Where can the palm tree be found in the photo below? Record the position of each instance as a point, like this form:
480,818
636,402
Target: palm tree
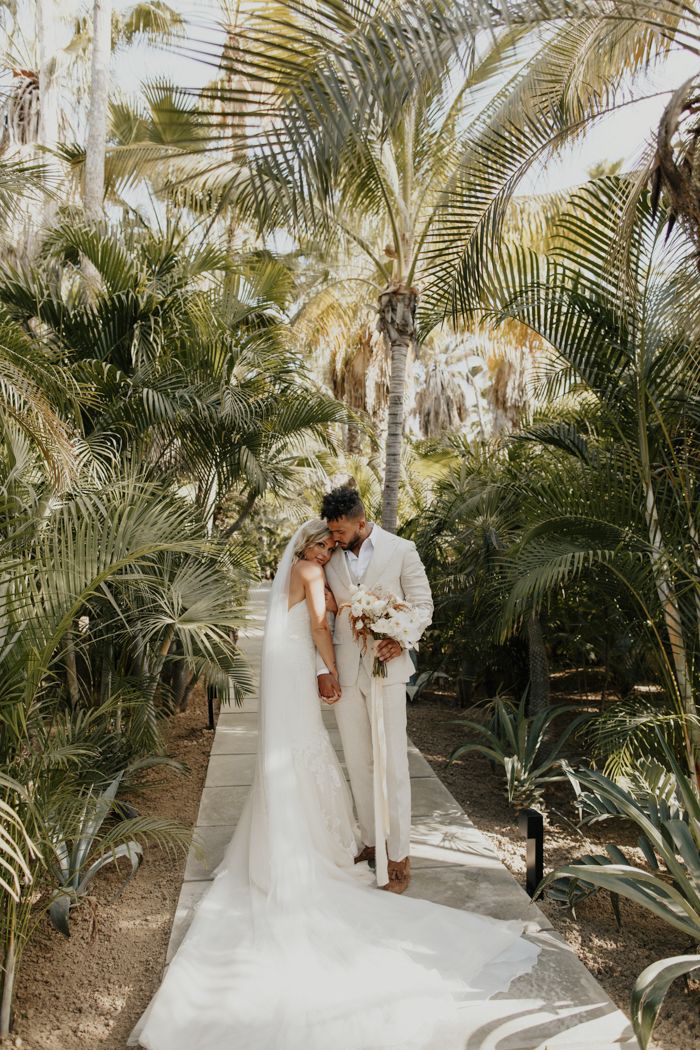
466,533
676,162
150,20
187,352
107,581
626,351
35,113
48,102
97,117
390,130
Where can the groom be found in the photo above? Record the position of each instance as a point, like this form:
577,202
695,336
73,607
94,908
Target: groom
368,555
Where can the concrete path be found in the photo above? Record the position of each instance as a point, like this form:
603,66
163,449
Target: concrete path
559,1006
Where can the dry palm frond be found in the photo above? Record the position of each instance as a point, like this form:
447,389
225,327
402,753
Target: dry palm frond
676,167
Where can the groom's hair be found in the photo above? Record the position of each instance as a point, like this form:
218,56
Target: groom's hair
343,502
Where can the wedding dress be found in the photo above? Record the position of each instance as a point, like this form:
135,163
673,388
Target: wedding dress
293,947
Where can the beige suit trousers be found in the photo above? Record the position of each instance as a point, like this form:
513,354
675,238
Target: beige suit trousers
353,719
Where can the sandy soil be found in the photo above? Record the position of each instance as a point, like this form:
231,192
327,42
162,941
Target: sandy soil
615,957
89,991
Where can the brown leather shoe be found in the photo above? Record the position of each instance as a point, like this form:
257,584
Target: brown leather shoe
399,876
367,853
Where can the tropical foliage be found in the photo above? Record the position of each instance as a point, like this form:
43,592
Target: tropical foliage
151,395
602,507
519,744
667,814
394,136
174,390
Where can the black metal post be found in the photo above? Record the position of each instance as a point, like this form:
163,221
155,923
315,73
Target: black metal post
211,697
531,826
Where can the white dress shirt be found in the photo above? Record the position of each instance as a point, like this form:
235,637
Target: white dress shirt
357,563
357,566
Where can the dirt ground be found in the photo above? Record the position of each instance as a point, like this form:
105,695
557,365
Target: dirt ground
89,991
615,957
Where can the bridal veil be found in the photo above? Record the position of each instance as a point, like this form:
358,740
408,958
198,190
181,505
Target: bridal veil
293,947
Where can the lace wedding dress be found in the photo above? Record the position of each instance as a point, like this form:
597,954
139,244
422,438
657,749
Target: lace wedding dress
293,947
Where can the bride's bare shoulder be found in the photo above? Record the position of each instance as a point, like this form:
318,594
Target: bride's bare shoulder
307,570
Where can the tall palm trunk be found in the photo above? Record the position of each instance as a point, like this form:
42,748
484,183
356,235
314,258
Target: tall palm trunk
397,323
94,185
668,600
538,698
8,984
72,679
48,108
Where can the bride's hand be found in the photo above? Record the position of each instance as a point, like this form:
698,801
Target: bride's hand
329,688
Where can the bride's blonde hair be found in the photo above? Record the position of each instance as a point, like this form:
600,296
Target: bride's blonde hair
311,533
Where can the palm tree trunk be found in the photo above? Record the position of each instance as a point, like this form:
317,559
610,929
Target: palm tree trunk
668,600
106,661
246,510
159,662
94,185
538,698
183,687
210,503
8,987
695,539
48,107
397,323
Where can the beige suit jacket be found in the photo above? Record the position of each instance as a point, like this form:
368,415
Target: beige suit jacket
395,567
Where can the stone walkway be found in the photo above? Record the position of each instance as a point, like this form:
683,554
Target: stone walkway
559,1006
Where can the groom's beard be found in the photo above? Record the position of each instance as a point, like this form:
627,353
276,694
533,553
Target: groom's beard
355,543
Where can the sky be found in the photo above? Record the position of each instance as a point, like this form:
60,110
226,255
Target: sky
623,135
620,137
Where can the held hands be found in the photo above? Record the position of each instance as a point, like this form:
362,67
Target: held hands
329,688
388,649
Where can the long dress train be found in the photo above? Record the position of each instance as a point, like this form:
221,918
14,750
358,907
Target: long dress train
293,947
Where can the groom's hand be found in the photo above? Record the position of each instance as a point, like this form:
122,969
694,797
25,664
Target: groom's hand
388,648
329,688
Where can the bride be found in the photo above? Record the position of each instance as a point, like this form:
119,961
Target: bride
293,947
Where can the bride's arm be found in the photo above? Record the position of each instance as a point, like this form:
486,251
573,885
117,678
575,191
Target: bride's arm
314,590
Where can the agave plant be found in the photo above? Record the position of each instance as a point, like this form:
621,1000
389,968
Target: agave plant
70,829
82,847
67,823
518,742
669,886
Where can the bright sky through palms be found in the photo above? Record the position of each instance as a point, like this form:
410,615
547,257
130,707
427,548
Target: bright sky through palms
622,137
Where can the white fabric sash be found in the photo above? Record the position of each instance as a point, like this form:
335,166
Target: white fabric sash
379,784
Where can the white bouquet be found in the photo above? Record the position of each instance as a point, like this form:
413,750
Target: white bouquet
376,615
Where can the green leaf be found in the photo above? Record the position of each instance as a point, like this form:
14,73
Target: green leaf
650,990
132,850
59,909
